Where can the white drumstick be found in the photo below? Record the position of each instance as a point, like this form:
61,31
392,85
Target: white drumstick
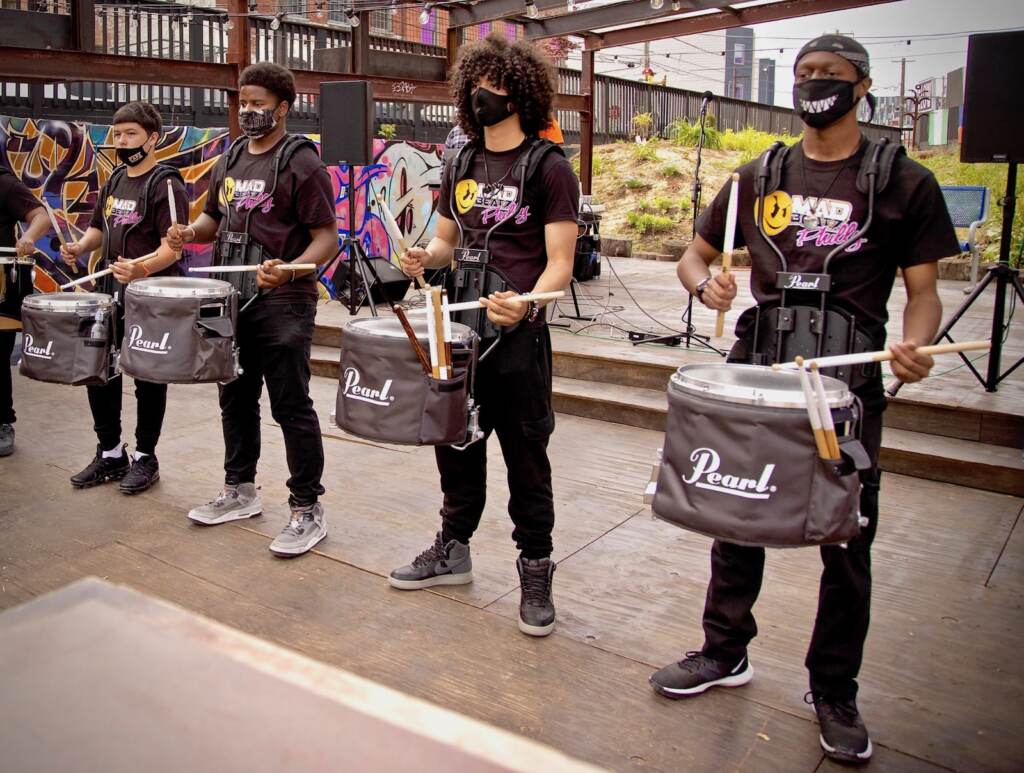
10,250
884,355
812,412
394,231
828,427
233,269
446,317
730,241
104,272
53,222
468,305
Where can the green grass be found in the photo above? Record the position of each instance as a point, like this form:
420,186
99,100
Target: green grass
645,153
664,204
751,143
597,166
637,185
670,170
687,134
648,224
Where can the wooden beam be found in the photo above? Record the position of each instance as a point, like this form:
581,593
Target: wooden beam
83,25
239,56
587,123
360,44
614,15
452,40
740,17
495,10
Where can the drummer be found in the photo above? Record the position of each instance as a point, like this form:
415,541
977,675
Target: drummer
17,205
293,219
503,101
132,213
911,231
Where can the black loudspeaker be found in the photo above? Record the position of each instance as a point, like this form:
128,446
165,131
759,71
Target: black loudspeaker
346,123
393,283
992,100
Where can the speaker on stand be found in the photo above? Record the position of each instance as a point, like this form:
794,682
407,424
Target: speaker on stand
346,139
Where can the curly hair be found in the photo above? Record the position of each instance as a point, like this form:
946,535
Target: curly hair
142,113
276,79
518,68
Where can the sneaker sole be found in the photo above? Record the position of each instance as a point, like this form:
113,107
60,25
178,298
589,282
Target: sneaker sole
298,551
105,479
140,489
737,680
235,515
536,630
6,453
831,753
442,579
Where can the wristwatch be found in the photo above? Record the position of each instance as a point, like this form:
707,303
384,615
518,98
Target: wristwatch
701,286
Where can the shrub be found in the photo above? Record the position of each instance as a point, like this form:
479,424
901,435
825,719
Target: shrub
647,223
387,131
644,205
687,134
644,153
637,185
751,143
670,170
596,166
664,204
685,206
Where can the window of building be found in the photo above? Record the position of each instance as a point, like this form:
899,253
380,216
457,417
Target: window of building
739,53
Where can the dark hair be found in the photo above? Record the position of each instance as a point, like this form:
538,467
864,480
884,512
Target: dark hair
142,113
518,68
276,79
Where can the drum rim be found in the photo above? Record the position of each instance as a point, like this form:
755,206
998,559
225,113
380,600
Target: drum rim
65,302
366,323
844,399
9,260
158,287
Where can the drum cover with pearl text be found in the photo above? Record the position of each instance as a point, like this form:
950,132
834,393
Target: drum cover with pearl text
66,348
752,475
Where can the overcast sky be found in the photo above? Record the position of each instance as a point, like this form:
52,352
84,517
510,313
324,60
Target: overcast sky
938,31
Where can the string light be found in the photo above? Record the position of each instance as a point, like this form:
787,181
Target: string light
531,9
425,15
353,18
570,6
657,5
275,23
676,5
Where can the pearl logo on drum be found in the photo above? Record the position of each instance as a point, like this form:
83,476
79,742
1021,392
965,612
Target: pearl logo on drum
138,342
705,475
355,391
42,352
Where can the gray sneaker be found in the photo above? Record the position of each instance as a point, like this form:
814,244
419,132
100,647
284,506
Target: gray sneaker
305,529
232,504
6,439
440,564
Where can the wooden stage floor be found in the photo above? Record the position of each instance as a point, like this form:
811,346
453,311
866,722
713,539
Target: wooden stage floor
940,687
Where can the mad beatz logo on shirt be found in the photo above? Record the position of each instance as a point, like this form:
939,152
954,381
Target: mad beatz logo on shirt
245,195
821,222
121,212
498,202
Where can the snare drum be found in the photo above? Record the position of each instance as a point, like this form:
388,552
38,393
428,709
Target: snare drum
385,395
15,287
68,338
740,462
180,330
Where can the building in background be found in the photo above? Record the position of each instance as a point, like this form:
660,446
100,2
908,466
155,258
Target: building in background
766,81
739,63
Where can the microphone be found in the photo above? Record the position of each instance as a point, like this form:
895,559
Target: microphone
706,97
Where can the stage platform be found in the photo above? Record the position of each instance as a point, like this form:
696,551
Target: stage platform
942,687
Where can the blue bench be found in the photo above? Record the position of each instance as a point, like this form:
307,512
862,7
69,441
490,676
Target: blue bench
968,208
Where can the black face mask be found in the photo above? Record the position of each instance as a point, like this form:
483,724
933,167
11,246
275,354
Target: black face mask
132,156
256,123
823,101
490,108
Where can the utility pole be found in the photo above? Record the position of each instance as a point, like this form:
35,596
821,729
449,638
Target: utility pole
903,95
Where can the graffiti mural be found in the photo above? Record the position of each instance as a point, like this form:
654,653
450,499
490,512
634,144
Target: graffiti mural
67,163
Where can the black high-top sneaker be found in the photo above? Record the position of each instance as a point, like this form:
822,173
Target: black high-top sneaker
440,564
143,474
101,469
843,735
696,673
536,609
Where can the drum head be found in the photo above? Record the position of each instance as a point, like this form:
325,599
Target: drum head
68,303
180,287
390,327
753,385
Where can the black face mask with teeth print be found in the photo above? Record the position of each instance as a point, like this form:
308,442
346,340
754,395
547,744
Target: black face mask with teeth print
823,101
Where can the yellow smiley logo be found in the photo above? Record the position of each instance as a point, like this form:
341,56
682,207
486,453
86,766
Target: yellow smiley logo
108,207
227,191
778,212
465,195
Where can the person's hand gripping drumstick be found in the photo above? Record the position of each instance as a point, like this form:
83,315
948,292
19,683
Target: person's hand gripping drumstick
725,279
398,241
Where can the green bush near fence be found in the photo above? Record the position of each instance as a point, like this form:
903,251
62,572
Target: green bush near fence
648,224
687,134
751,143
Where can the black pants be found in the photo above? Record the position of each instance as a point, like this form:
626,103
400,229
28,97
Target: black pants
105,403
6,389
844,596
274,345
513,390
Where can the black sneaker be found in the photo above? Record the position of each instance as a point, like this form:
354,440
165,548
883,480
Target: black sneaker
6,438
101,469
143,474
843,735
697,672
440,564
536,610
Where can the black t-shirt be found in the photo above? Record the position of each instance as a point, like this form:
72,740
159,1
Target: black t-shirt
488,194
16,201
132,226
303,200
818,206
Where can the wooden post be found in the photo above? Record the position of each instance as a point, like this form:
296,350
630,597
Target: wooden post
239,54
587,122
453,48
83,25
360,45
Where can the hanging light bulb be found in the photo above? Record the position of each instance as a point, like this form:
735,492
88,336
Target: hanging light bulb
229,25
353,18
676,5
531,9
425,15
275,23
657,5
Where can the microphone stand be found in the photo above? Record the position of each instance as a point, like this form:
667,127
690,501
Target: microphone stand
690,334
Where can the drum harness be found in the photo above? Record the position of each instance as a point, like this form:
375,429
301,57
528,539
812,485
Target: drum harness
781,331
238,248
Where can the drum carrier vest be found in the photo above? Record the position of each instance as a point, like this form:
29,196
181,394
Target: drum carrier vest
474,277
237,247
782,331
161,173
